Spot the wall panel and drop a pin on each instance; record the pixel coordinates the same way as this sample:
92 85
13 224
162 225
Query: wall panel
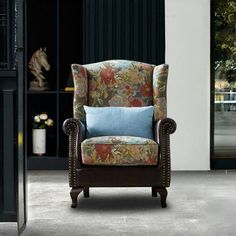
124 29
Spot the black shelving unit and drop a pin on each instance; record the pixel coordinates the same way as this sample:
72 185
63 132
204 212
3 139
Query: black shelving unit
49 25
84 31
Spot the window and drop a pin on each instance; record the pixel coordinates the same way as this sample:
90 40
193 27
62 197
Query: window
224 62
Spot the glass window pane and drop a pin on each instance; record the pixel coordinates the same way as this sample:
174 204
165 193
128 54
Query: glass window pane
225 78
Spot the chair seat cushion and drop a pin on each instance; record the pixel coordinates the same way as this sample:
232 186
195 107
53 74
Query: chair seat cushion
119 151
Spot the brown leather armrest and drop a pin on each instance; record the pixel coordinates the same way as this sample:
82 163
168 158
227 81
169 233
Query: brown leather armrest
164 127
75 129
73 125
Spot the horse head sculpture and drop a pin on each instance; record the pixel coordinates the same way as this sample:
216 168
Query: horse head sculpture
37 62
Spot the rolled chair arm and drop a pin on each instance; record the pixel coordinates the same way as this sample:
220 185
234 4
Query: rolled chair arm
75 129
163 129
165 126
71 125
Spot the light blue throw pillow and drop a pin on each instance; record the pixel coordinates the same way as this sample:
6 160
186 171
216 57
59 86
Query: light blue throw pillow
119 121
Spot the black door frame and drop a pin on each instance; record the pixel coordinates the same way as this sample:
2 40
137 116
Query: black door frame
22 165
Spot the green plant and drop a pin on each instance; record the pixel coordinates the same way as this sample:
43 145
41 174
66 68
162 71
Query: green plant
41 121
226 70
225 23
225 44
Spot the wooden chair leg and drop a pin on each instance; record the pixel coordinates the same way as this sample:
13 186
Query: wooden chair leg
86 192
154 193
163 193
74 195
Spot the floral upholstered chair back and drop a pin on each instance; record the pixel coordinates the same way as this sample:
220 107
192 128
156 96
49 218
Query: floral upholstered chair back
120 83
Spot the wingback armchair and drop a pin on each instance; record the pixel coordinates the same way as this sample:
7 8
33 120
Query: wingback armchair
119 160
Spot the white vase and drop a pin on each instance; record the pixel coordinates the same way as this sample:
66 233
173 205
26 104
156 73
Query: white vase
39 141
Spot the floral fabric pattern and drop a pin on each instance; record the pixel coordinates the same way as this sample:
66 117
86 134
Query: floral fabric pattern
160 74
81 90
120 83
119 150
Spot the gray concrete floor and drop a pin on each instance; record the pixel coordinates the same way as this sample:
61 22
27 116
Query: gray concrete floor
199 203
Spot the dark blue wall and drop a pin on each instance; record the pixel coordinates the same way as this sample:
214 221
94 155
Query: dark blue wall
124 29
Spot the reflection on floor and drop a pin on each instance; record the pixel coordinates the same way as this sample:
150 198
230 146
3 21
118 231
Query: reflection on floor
225 134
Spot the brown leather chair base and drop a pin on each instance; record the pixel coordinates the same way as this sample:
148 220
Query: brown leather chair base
82 177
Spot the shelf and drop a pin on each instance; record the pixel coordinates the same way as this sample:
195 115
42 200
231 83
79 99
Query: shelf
50 92
41 92
66 92
37 104
47 163
52 32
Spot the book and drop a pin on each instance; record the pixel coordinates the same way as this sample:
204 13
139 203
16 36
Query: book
69 89
69 85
